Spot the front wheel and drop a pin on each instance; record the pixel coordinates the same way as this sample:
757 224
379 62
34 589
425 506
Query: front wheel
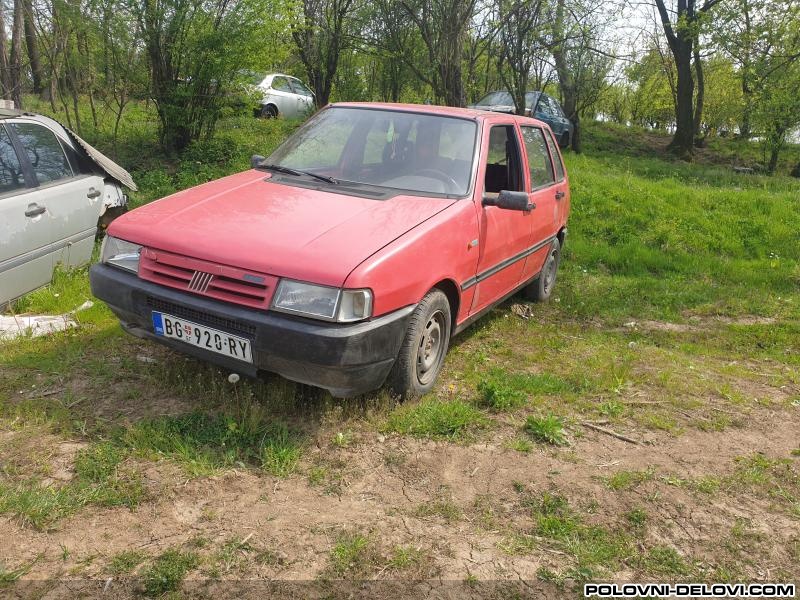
541 288
269 111
424 347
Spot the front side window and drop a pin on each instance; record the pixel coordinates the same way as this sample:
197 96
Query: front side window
502 162
541 169
384 148
44 151
11 176
281 84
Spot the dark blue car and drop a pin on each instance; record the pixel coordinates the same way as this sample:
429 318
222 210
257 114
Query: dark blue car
537 105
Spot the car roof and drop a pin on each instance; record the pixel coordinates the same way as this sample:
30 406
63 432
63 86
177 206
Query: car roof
445 111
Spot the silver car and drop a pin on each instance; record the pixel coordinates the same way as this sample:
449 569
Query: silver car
56 194
284 96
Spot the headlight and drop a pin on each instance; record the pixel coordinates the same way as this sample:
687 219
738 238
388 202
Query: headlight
119 253
322 302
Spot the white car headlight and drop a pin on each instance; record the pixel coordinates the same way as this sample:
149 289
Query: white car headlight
322 302
121 254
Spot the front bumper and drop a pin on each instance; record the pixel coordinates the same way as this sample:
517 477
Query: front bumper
345 358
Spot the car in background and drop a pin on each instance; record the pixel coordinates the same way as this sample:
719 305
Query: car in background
353 253
57 194
537 105
284 96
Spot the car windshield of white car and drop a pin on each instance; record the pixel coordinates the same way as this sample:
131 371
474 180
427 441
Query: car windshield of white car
414 152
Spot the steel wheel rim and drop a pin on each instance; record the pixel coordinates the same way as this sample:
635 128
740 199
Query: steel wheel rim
550 272
431 348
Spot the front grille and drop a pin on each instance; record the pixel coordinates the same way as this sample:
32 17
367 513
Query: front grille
220 282
200 316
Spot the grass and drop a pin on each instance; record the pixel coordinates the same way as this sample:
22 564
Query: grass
126 561
350 555
439 419
168 571
625 480
204 443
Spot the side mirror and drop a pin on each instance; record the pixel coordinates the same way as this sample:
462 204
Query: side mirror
510 201
256 160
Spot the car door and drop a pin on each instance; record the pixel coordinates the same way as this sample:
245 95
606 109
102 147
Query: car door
560 122
284 97
305 97
25 227
542 191
505 235
72 198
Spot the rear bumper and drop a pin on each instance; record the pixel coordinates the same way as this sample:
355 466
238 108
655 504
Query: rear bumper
346 359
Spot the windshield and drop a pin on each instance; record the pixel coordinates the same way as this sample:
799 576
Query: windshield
530 99
496 98
392 149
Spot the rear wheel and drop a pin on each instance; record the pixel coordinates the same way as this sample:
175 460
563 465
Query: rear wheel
541 288
270 111
424 347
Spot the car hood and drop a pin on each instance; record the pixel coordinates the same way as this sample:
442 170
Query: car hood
249 222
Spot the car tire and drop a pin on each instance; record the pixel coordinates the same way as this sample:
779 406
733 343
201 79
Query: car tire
424 347
269 111
541 288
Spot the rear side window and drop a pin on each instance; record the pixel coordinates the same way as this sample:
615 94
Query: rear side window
11 176
539 164
47 157
556 157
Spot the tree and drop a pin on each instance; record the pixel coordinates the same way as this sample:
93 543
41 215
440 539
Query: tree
681 28
442 26
581 64
520 40
320 30
196 51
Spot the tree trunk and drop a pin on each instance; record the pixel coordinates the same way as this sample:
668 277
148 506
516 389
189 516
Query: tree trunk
16 55
33 48
699 137
5 71
682 143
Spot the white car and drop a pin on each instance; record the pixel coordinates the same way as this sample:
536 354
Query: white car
284 96
57 193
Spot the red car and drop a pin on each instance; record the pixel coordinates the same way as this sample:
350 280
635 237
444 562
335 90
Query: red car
350 256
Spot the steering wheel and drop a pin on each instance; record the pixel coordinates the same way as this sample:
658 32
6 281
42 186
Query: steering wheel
451 183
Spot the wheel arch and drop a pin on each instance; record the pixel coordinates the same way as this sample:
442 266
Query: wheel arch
450 289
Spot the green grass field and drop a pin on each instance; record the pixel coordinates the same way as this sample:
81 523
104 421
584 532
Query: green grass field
675 324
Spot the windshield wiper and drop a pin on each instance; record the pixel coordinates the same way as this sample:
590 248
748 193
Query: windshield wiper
297 172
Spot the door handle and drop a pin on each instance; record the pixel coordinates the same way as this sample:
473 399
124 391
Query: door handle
559 195
93 193
34 210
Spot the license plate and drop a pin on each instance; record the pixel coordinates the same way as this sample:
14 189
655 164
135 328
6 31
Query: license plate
202 336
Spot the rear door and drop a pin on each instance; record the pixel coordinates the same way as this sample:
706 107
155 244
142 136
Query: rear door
542 191
305 98
505 234
26 228
73 199
284 97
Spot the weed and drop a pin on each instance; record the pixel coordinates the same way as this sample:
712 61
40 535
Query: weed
548 429
637 518
445 509
663 560
520 445
611 408
500 396
349 555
